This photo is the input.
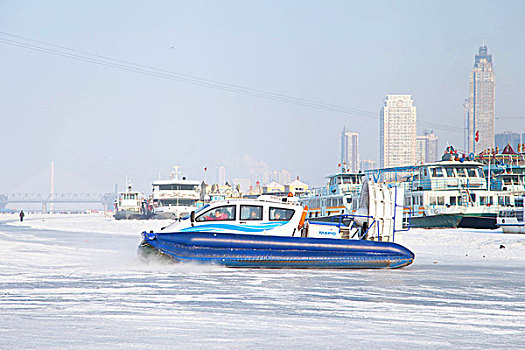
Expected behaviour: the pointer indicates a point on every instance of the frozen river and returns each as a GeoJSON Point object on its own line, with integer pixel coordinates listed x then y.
{"type": "Point", "coordinates": [74, 282]}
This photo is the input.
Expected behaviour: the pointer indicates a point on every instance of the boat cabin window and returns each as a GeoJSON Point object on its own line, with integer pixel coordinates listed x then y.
{"type": "Point", "coordinates": [437, 172]}
{"type": "Point", "coordinates": [280, 214]}
{"type": "Point", "coordinates": [251, 212]}
{"type": "Point", "coordinates": [453, 200]}
{"type": "Point", "coordinates": [504, 200]}
{"type": "Point", "coordinates": [224, 213]}
{"type": "Point", "coordinates": [450, 172]}
{"type": "Point", "coordinates": [471, 172]}
{"type": "Point", "coordinates": [518, 202]}
{"type": "Point", "coordinates": [461, 172]}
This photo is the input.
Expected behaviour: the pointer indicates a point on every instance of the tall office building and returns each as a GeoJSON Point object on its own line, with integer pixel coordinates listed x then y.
{"type": "Point", "coordinates": [397, 131]}
{"type": "Point", "coordinates": [507, 137]}
{"type": "Point", "coordinates": [350, 150]}
{"type": "Point", "coordinates": [427, 148]}
{"type": "Point", "coordinates": [222, 175]}
{"type": "Point", "coordinates": [366, 164]}
{"type": "Point", "coordinates": [284, 177]}
{"type": "Point", "coordinates": [480, 116]}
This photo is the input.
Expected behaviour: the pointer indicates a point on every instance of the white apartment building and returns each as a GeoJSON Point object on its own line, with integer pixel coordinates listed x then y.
{"type": "Point", "coordinates": [397, 131]}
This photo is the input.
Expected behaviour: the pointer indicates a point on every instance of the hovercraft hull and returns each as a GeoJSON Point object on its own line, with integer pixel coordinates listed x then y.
{"type": "Point", "coordinates": [256, 251]}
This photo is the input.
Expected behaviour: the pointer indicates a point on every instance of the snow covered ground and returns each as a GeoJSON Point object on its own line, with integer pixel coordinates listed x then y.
{"type": "Point", "coordinates": [73, 281]}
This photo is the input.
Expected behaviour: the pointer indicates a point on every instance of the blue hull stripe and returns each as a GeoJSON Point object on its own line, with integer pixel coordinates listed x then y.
{"type": "Point", "coordinates": [234, 228]}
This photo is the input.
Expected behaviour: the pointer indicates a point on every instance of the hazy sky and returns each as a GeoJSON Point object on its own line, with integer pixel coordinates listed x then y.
{"type": "Point", "coordinates": [100, 124]}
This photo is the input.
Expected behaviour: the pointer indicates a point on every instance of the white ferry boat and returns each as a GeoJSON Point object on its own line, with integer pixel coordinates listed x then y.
{"type": "Point", "coordinates": [451, 193]}
{"type": "Point", "coordinates": [175, 198]}
{"type": "Point", "coordinates": [131, 205]}
{"type": "Point", "coordinates": [335, 198]}
{"type": "Point", "coordinates": [512, 220]}
{"type": "Point", "coordinates": [509, 181]}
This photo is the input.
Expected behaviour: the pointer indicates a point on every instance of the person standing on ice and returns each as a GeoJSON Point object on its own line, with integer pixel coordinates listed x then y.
{"type": "Point", "coordinates": [22, 215]}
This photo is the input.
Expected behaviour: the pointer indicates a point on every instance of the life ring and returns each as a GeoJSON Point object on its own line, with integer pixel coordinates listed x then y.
{"type": "Point", "coordinates": [303, 217]}
{"type": "Point", "coordinates": [435, 211]}
{"type": "Point", "coordinates": [471, 156]}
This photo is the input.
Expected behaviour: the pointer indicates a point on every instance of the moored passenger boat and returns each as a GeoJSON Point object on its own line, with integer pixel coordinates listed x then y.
{"type": "Point", "coordinates": [512, 220]}
{"type": "Point", "coordinates": [451, 193]}
{"type": "Point", "coordinates": [130, 205]}
{"type": "Point", "coordinates": [266, 233]}
{"type": "Point", "coordinates": [336, 197]}
{"type": "Point", "coordinates": [175, 198]}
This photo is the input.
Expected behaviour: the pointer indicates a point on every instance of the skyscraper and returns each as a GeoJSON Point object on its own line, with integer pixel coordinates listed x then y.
{"type": "Point", "coordinates": [397, 131]}
{"type": "Point", "coordinates": [222, 175]}
{"type": "Point", "coordinates": [480, 116]}
{"type": "Point", "coordinates": [284, 177]}
{"type": "Point", "coordinates": [350, 150]}
{"type": "Point", "coordinates": [367, 164]}
{"type": "Point", "coordinates": [427, 148]}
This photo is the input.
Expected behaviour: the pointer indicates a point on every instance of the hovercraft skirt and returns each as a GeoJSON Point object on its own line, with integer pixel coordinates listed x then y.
{"type": "Point", "coordinates": [256, 251]}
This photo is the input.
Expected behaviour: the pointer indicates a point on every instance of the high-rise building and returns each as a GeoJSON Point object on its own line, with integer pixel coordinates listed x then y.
{"type": "Point", "coordinates": [427, 148]}
{"type": "Point", "coordinates": [350, 150]}
{"type": "Point", "coordinates": [284, 176]}
{"type": "Point", "coordinates": [222, 175]}
{"type": "Point", "coordinates": [366, 164]}
{"type": "Point", "coordinates": [480, 116]}
{"type": "Point", "coordinates": [397, 131]}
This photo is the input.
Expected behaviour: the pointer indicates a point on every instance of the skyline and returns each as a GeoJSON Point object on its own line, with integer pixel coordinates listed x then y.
{"type": "Point", "coordinates": [103, 124]}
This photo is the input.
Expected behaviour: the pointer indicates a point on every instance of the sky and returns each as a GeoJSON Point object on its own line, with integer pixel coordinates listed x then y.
{"type": "Point", "coordinates": [273, 83]}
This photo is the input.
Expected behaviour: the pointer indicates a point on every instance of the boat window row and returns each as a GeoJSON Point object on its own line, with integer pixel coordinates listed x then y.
{"type": "Point", "coordinates": [247, 213]}
{"type": "Point", "coordinates": [346, 179]}
{"type": "Point", "coordinates": [511, 180]}
{"type": "Point", "coordinates": [177, 202]}
{"type": "Point", "coordinates": [175, 187]}
{"type": "Point", "coordinates": [471, 198]}
{"type": "Point", "coordinates": [454, 172]}
{"type": "Point", "coordinates": [129, 196]}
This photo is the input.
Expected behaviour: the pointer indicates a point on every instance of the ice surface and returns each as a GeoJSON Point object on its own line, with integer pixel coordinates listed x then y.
{"type": "Point", "coordinates": [74, 282]}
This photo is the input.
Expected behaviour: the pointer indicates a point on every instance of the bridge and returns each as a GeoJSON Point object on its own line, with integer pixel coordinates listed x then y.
{"type": "Point", "coordinates": [105, 199]}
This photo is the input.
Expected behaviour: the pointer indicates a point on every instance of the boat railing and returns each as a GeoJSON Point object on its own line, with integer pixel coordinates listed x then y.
{"type": "Point", "coordinates": [325, 191]}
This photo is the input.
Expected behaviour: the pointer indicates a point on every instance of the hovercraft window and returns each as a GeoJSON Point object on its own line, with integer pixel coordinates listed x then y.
{"type": "Point", "coordinates": [251, 212]}
{"type": "Point", "coordinates": [279, 214]}
{"type": "Point", "coordinates": [218, 214]}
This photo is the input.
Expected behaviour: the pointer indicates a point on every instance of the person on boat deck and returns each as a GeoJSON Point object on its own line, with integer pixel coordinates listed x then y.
{"type": "Point", "coordinates": [22, 215]}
